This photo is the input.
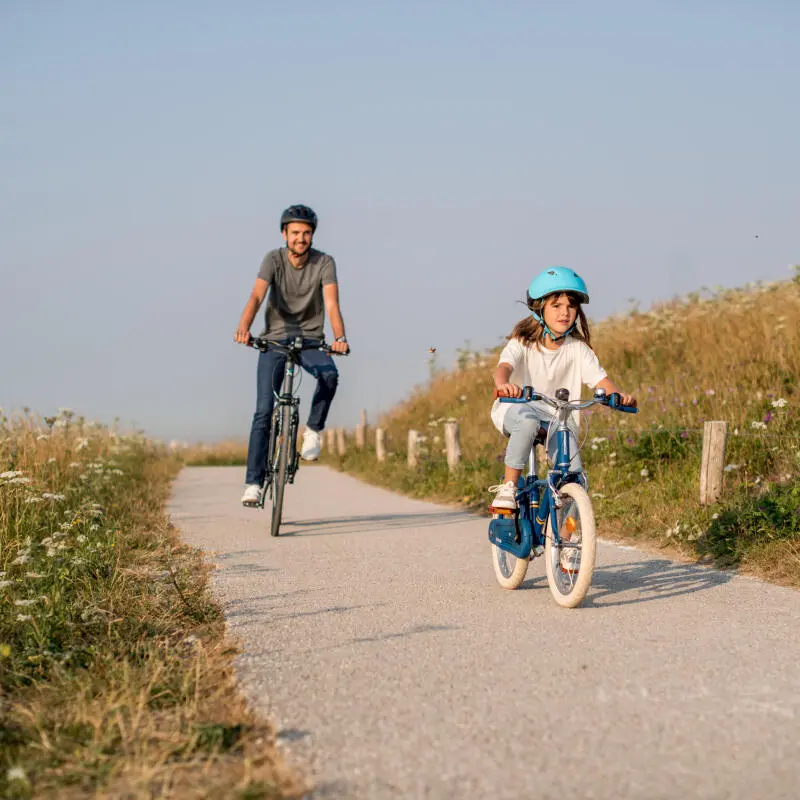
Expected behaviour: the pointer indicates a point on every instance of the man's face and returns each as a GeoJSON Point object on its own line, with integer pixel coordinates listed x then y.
{"type": "Point", "coordinates": [297, 236]}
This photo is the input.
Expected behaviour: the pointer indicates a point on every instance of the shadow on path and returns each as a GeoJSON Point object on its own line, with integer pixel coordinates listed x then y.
{"type": "Point", "coordinates": [653, 579]}
{"type": "Point", "coordinates": [373, 523]}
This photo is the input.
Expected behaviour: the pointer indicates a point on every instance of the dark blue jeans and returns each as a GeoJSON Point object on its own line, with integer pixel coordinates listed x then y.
{"type": "Point", "coordinates": [271, 368]}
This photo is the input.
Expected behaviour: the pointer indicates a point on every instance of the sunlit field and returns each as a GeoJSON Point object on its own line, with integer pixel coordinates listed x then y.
{"type": "Point", "coordinates": [716, 355]}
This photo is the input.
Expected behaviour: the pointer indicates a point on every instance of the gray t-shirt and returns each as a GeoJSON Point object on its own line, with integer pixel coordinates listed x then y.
{"type": "Point", "coordinates": [294, 303]}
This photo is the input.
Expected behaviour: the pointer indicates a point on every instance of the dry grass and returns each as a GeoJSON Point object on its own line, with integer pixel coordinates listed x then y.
{"type": "Point", "coordinates": [116, 679]}
{"type": "Point", "coordinates": [230, 453]}
{"type": "Point", "coordinates": [725, 355]}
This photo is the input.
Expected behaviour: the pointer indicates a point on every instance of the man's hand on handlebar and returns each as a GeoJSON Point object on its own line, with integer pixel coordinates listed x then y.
{"type": "Point", "coordinates": [242, 336]}
{"type": "Point", "coordinates": [340, 347]}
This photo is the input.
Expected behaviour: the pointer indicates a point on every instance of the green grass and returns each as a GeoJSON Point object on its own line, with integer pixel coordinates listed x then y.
{"type": "Point", "coordinates": [116, 678]}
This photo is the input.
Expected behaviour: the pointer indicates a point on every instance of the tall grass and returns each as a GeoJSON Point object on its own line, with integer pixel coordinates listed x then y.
{"type": "Point", "coordinates": [716, 355]}
{"type": "Point", "coordinates": [115, 676]}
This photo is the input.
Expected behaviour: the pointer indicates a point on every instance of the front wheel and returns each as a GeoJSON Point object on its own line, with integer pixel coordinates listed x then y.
{"type": "Point", "coordinates": [281, 467]}
{"type": "Point", "coordinates": [570, 568]}
{"type": "Point", "coordinates": [509, 570]}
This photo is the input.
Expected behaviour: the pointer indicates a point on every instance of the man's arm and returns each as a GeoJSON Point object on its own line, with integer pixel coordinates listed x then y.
{"type": "Point", "coordinates": [250, 310]}
{"type": "Point", "coordinates": [330, 295]}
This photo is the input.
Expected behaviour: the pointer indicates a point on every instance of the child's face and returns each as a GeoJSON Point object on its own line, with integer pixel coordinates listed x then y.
{"type": "Point", "coordinates": [559, 313]}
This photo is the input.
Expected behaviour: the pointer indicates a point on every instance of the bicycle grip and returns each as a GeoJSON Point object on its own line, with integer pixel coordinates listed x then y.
{"type": "Point", "coordinates": [528, 394]}
{"type": "Point", "coordinates": [614, 401]}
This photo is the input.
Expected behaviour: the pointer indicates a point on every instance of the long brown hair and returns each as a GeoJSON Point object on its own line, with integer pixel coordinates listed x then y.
{"type": "Point", "coordinates": [531, 332]}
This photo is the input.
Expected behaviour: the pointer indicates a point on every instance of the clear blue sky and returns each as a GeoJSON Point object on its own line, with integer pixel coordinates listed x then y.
{"type": "Point", "coordinates": [452, 150]}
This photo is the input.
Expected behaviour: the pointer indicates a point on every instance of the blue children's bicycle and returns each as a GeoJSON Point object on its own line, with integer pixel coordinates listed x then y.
{"type": "Point", "coordinates": [554, 515]}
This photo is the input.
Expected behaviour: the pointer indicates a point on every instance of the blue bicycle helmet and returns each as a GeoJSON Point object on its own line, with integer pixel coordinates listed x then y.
{"type": "Point", "coordinates": [299, 214]}
{"type": "Point", "coordinates": [557, 279]}
{"type": "Point", "coordinates": [552, 281]}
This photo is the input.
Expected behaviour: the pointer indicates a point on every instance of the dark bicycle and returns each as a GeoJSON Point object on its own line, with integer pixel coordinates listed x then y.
{"type": "Point", "coordinates": [283, 459]}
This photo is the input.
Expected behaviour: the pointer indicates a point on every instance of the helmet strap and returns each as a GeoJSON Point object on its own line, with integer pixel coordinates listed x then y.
{"type": "Point", "coordinates": [547, 332]}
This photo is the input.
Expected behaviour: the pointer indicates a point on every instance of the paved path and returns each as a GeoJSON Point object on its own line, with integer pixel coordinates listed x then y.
{"type": "Point", "coordinates": [376, 636]}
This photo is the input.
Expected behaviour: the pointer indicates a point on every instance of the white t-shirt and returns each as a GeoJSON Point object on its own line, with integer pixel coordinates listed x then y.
{"type": "Point", "coordinates": [546, 370]}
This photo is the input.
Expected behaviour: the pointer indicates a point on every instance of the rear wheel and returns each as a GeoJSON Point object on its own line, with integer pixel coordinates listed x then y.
{"type": "Point", "coordinates": [281, 467]}
{"type": "Point", "coordinates": [570, 568]}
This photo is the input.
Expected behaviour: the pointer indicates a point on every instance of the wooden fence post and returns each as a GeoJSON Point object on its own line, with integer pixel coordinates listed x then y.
{"type": "Point", "coordinates": [413, 448]}
{"type": "Point", "coordinates": [361, 430]}
{"type": "Point", "coordinates": [332, 440]}
{"type": "Point", "coordinates": [715, 435]}
{"type": "Point", "coordinates": [340, 443]}
{"type": "Point", "coordinates": [452, 442]}
{"type": "Point", "coordinates": [380, 444]}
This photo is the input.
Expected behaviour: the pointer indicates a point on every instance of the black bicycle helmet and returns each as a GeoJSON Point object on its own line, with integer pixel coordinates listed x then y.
{"type": "Point", "coordinates": [299, 214]}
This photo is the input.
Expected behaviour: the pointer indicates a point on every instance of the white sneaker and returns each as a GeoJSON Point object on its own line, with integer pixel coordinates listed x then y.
{"type": "Point", "coordinates": [311, 446]}
{"type": "Point", "coordinates": [506, 496]}
{"type": "Point", "coordinates": [252, 495]}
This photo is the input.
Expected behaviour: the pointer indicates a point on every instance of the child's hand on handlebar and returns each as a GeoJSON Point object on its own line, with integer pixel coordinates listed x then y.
{"type": "Point", "coordinates": [627, 400]}
{"type": "Point", "coordinates": [509, 390]}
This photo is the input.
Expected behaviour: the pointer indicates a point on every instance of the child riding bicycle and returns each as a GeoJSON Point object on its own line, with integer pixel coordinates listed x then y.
{"type": "Point", "coordinates": [549, 350]}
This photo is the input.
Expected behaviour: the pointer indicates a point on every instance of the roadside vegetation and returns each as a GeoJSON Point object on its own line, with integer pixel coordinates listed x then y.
{"type": "Point", "coordinates": [731, 355]}
{"type": "Point", "coordinates": [116, 679]}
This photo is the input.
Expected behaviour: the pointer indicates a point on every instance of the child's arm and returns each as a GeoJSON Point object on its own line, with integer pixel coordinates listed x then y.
{"type": "Point", "coordinates": [502, 375]}
{"type": "Point", "coordinates": [627, 399]}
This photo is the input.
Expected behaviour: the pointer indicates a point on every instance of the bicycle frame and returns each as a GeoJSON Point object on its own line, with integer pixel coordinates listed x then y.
{"type": "Point", "coordinates": [283, 398]}
{"type": "Point", "coordinates": [539, 499]}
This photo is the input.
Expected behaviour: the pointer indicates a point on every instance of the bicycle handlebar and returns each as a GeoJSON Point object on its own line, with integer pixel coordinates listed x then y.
{"type": "Point", "coordinates": [529, 394]}
{"type": "Point", "coordinates": [263, 344]}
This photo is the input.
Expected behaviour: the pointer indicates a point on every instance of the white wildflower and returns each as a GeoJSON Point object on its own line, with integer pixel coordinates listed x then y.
{"type": "Point", "coordinates": [463, 398]}
{"type": "Point", "coordinates": [598, 496]}
{"type": "Point", "coordinates": [16, 774]}
{"type": "Point", "coordinates": [20, 559]}
{"type": "Point", "coordinates": [3, 584]}
{"type": "Point", "coordinates": [645, 472]}
{"type": "Point", "coordinates": [710, 392]}
{"type": "Point", "coordinates": [612, 455]}
{"type": "Point", "coordinates": [25, 603]}
{"type": "Point", "coordinates": [29, 500]}
{"type": "Point", "coordinates": [9, 475]}
{"type": "Point", "coordinates": [34, 575]}
{"type": "Point", "coordinates": [19, 481]}
{"type": "Point", "coordinates": [781, 402]}
{"type": "Point", "coordinates": [51, 496]}
{"type": "Point", "coordinates": [80, 538]}
{"type": "Point", "coordinates": [41, 437]}
{"type": "Point", "coordinates": [715, 516]}
{"type": "Point", "coordinates": [74, 464]}
{"type": "Point", "coordinates": [52, 460]}
{"type": "Point", "coordinates": [758, 424]}
{"type": "Point", "coordinates": [24, 618]}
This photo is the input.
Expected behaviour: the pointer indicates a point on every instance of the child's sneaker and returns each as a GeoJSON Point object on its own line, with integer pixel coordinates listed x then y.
{"type": "Point", "coordinates": [506, 497]}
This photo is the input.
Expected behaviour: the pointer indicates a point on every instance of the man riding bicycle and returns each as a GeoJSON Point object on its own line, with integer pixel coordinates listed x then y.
{"type": "Point", "coordinates": [303, 287]}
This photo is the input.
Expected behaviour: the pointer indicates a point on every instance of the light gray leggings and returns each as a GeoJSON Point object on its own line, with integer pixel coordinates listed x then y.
{"type": "Point", "coordinates": [521, 424]}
